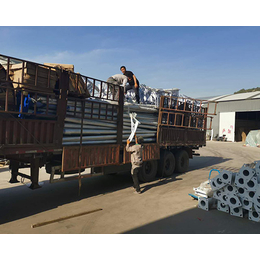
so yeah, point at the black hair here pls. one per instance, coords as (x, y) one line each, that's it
(122, 67)
(140, 140)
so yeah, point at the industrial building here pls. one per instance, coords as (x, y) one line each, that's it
(236, 115)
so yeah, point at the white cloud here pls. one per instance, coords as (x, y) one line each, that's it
(98, 63)
(72, 57)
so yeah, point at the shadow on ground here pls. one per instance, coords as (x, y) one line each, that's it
(20, 201)
(209, 162)
(160, 181)
(197, 221)
(3, 169)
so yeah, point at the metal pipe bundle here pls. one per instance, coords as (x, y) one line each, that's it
(102, 127)
(98, 131)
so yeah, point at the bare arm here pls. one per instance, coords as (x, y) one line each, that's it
(134, 77)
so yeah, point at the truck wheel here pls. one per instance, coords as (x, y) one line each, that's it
(182, 161)
(148, 171)
(166, 164)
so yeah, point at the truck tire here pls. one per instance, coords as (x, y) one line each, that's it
(182, 161)
(148, 171)
(166, 164)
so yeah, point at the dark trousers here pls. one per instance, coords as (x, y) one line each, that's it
(136, 91)
(134, 173)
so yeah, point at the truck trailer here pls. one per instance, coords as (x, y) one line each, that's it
(64, 121)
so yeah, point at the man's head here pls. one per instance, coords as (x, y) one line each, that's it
(139, 140)
(123, 69)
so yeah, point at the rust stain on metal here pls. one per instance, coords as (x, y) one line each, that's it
(173, 136)
(25, 131)
(94, 155)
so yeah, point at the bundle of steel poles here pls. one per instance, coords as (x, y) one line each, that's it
(101, 127)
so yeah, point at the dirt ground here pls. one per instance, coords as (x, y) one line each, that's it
(164, 206)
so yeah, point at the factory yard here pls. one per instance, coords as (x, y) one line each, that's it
(164, 207)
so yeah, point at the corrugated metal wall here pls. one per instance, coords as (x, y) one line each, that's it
(232, 106)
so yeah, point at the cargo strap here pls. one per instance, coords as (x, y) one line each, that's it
(134, 125)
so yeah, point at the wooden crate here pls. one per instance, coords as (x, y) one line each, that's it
(45, 77)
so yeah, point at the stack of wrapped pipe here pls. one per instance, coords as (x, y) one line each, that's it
(148, 95)
(147, 115)
(102, 126)
(236, 193)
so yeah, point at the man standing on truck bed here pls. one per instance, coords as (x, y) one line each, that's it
(133, 82)
(136, 160)
(117, 79)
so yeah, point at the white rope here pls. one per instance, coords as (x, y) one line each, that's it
(134, 125)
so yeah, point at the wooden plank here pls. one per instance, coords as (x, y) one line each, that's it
(7, 132)
(64, 218)
(36, 131)
(30, 68)
(29, 131)
(19, 80)
(95, 155)
(15, 126)
(2, 127)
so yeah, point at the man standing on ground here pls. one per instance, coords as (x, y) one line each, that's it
(133, 82)
(136, 160)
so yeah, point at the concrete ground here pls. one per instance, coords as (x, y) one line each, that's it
(164, 207)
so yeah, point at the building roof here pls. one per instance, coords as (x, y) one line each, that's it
(235, 97)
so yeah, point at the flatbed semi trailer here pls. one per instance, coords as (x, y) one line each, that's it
(68, 122)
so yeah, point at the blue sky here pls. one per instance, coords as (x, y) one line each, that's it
(200, 61)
